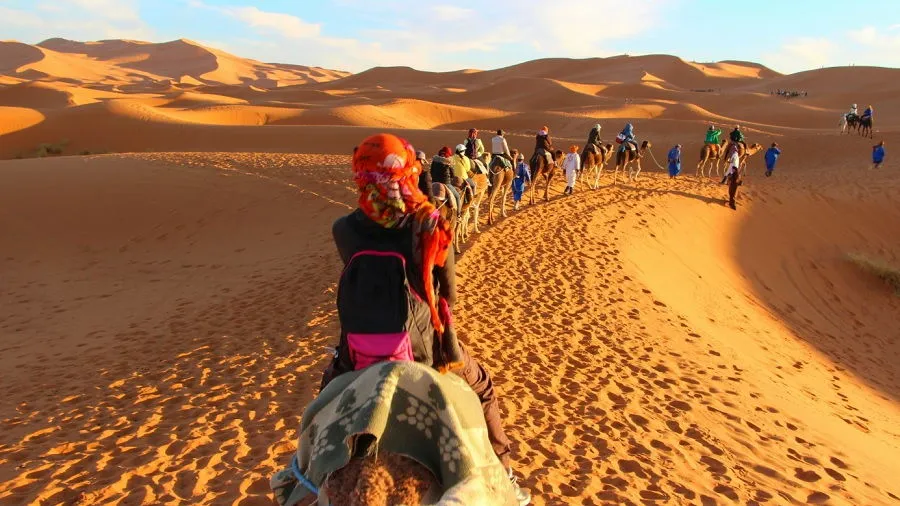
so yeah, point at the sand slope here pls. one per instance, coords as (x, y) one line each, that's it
(164, 317)
(650, 346)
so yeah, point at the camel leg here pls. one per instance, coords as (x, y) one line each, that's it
(638, 171)
(503, 198)
(491, 199)
(477, 213)
(456, 235)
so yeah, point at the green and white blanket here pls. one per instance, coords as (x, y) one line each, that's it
(412, 410)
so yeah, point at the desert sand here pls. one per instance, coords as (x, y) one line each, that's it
(166, 308)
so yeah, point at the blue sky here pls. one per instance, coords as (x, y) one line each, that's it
(787, 35)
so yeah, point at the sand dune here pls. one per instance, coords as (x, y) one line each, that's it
(699, 361)
(650, 345)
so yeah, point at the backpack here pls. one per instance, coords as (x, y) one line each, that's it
(620, 138)
(470, 148)
(379, 310)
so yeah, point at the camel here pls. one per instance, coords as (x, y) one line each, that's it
(747, 153)
(865, 127)
(624, 159)
(711, 152)
(501, 180)
(591, 161)
(540, 168)
(849, 124)
(471, 209)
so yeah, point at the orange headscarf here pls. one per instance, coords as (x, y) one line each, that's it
(387, 174)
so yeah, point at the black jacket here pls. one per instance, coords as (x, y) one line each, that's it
(425, 183)
(543, 142)
(441, 170)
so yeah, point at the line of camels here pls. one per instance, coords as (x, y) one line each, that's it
(499, 177)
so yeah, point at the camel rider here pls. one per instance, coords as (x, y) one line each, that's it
(462, 169)
(593, 142)
(500, 149)
(544, 145)
(853, 114)
(737, 137)
(424, 176)
(628, 139)
(474, 146)
(867, 114)
(442, 172)
(712, 135)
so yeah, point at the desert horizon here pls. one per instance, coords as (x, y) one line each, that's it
(169, 274)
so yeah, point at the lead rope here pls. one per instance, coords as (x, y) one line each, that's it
(295, 469)
(654, 160)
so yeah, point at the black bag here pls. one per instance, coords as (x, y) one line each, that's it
(382, 317)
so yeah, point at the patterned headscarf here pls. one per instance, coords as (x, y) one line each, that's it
(387, 174)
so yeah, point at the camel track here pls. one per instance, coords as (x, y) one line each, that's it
(197, 382)
(605, 410)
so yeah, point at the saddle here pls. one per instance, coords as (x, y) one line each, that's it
(500, 163)
(627, 146)
(478, 167)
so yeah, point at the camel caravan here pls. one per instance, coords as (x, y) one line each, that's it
(460, 181)
(405, 413)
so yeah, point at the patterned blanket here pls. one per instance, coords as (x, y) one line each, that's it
(411, 409)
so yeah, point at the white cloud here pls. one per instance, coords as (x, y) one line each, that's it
(803, 53)
(864, 46)
(77, 19)
(452, 13)
(444, 36)
(284, 25)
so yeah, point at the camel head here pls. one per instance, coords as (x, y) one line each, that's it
(646, 145)
(754, 148)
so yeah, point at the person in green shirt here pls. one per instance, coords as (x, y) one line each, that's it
(712, 135)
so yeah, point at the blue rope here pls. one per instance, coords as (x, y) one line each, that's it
(295, 468)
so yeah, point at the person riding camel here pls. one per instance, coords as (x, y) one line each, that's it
(712, 136)
(424, 176)
(442, 172)
(737, 138)
(462, 170)
(475, 150)
(474, 146)
(594, 143)
(394, 221)
(628, 140)
(853, 114)
(867, 114)
(499, 148)
(543, 145)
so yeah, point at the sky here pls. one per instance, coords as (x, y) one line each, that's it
(440, 35)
